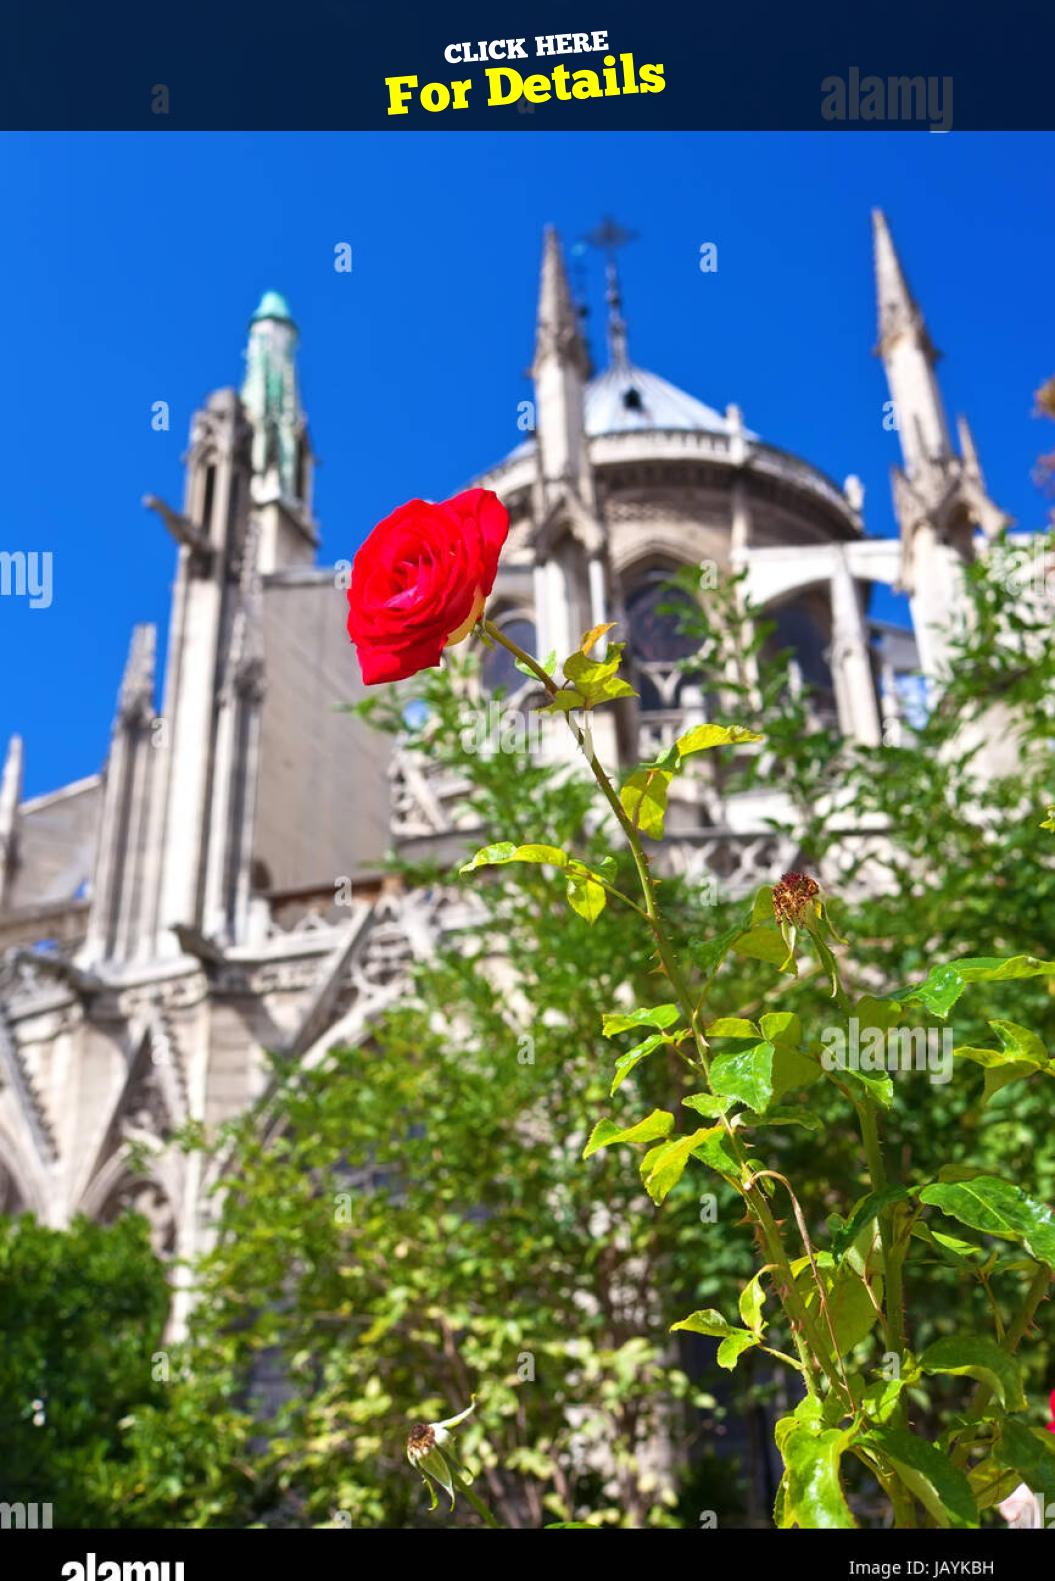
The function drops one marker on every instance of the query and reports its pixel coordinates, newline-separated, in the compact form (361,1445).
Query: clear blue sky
(131,263)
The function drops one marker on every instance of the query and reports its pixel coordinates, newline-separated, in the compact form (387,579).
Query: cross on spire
(608,237)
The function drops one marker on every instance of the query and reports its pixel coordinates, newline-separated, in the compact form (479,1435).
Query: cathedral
(218,890)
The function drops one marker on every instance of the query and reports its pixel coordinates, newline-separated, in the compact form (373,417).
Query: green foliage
(82,1313)
(843,1304)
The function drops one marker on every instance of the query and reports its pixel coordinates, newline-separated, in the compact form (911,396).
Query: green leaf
(596,680)
(607,691)
(663,1167)
(746,1074)
(941,1487)
(734,1340)
(711,1104)
(791,1068)
(706,1321)
(1021,1054)
(752,1300)
(1020,1042)
(644,800)
(549,664)
(978,1356)
(605,1132)
(990,969)
(732,1027)
(990,1483)
(586,896)
(950,1248)
(782,1026)
(710,953)
(845,1232)
(716,1150)
(659,1016)
(563,702)
(872,1085)
(702,737)
(583,672)
(626,1062)
(850,1307)
(880,1398)
(731,1349)
(827,960)
(777,1115)
(813,1495)
(943,985)
(999,1208)
(764,943)
(1031,1452)
(878,1013)
(505,851)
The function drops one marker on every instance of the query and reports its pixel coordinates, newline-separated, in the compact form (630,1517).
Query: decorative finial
(608,237)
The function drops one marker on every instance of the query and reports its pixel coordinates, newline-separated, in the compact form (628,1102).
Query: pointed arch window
(499,670)
(656,613)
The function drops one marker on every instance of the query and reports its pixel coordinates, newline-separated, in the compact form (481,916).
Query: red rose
(420,581)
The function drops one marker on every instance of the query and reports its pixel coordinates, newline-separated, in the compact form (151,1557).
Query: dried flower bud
(793,898)
(420,1440)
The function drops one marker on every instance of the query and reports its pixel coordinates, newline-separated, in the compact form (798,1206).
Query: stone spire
(939,496)
(10,796)
(560,370)
(569,571)
(909,357)
(271,396)
(557,332)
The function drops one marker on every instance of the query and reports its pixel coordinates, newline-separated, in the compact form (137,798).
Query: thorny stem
(1038,1289)
(895,1302)
(811,1353)
(822,1299)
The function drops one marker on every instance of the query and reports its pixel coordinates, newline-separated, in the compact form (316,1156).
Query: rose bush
(837,1292)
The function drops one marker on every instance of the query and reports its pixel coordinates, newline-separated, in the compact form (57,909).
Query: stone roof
(624,397)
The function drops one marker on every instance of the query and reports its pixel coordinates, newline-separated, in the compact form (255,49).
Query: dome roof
(623,398)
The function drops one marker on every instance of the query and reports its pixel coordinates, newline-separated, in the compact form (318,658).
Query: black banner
(574,65)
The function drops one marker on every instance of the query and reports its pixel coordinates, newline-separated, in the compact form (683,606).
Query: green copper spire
(270,392)
(272,305)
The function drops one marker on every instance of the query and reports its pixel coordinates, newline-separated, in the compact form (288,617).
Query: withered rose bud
(420,1441)
(425,1450)
(793,897)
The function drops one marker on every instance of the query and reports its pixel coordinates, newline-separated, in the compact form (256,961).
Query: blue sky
(131,263)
